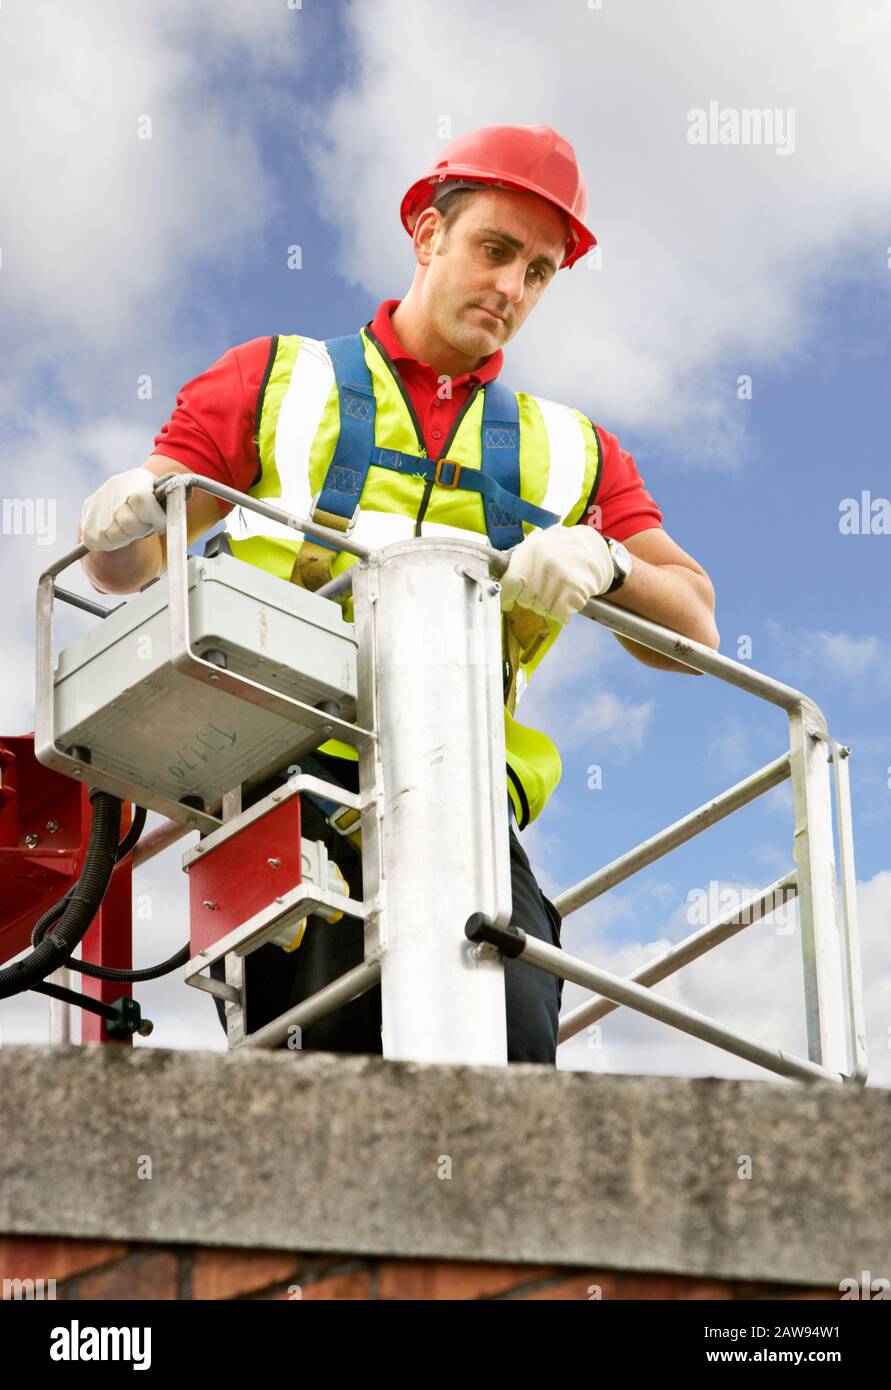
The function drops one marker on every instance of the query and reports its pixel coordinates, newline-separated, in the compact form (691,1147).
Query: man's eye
(499,249)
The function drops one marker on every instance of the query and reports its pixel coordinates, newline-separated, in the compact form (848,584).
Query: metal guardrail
(831,959)
(830,1001)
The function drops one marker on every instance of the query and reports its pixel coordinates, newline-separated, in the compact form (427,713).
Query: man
(435,443)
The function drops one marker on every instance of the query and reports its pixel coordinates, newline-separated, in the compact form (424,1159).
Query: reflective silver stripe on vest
(298,424)
(566,452)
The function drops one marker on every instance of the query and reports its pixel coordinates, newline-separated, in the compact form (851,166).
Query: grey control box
(118,693)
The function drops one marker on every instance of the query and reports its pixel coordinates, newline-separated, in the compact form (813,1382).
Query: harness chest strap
(497,482)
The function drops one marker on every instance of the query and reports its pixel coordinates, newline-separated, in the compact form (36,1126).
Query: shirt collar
(383,330)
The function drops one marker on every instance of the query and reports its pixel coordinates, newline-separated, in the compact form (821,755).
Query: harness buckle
(437,476)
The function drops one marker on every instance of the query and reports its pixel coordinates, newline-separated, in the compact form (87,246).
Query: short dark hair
(449,206)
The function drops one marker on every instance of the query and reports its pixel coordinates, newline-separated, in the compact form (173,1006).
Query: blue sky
(274,126)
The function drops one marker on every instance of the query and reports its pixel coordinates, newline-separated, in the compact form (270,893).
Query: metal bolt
(211,906)
(52,826)
(32,841)
(273,863)
(145,1027)
(494,587)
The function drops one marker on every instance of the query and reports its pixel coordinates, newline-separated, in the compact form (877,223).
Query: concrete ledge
(315,1151)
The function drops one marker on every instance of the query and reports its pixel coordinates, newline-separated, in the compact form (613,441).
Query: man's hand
(122,510)
(135,563)
(555,571)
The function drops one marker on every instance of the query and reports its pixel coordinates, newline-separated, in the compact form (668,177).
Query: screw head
(32,841)
(210,905)
(273,863)
(52,826)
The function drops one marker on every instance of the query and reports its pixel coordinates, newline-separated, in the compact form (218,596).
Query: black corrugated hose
(54,950)
(111,972)
(83,901)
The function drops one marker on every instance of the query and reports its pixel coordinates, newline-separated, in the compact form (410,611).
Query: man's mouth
(491,313)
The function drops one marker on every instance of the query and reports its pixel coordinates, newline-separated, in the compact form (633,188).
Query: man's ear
(426,242)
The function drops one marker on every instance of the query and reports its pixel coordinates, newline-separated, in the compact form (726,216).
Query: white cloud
(573,696)
(58,464)
(729,749)
(862,662)
(607,716)
(712,256)
(101,229)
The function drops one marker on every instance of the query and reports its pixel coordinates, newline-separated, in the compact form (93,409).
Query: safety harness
(497,481)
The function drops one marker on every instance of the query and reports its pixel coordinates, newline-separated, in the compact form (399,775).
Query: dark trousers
(276,980)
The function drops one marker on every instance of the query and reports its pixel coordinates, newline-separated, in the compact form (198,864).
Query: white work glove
(555,571)
(122,510)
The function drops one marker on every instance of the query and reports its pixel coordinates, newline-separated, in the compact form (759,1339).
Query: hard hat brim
(421,194)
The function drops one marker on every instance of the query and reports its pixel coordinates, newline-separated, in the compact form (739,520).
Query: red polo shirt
(212,431)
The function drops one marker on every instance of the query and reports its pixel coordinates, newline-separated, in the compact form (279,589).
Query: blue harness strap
(501,463)
(497,480)
(343,482)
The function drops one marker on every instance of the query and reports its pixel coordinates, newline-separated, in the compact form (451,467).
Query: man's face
(501,252)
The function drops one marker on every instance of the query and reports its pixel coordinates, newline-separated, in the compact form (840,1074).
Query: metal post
(428,617)
(109,941)
(824,999)
(856,1014)
(60,1030)
(235,1011)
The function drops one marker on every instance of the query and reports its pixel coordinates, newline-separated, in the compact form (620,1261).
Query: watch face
(621,561)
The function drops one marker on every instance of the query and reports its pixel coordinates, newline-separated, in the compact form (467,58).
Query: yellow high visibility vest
(299,423)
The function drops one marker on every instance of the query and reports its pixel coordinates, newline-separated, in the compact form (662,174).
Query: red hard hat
(530,158)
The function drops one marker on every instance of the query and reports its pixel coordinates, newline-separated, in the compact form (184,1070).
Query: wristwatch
(622,563)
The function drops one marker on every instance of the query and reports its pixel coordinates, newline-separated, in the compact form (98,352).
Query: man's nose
(511,282)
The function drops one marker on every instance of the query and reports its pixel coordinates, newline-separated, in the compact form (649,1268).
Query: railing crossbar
(731,922)
(622,991)
(664,841)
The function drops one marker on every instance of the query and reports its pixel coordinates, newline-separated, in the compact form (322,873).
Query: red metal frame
(244,874)
(33,877)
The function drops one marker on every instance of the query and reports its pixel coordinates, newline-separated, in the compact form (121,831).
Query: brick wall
(89,1269)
